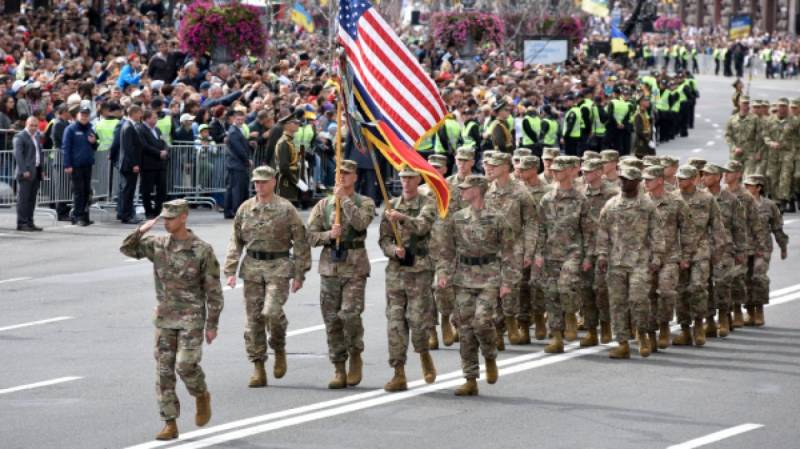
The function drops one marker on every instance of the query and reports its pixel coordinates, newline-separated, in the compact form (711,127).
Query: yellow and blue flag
(302,18)
(619,41)
(597,8)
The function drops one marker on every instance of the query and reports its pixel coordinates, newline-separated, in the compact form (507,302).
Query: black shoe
(36,228)
(64,218)
(28,228)
(134,221)
(85,223)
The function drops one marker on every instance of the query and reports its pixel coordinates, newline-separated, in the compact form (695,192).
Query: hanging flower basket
(568,27)
(451,28)
(231,29)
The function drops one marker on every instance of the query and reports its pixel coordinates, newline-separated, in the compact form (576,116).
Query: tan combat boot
(169,432)
(433,339)
(605,332)
(556,345)
(653,340)
(428,369)
(356,367)
(203,412)
(491,371)
(448,337)
(644,344)
(699,333)
(751,316)
(738,319)
(279,370)
(540,330)
(590,339)
(470,388)
(513,330)
(339,380)
(663,336)
(570,327)
(501,344)
(524,332)
(684,338)
(759,321)
(259,377)
(622,351)
(724,325)
(398,382)
(711,327)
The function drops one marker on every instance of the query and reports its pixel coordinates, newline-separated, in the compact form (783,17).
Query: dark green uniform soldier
(288,161)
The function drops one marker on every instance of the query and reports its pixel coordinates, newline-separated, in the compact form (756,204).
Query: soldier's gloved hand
(526,263)
(602,264)
(684,265)
(231,281)
(336,231)
(504,291)
(442,282)
(399,252)
(297,284)
(148,225)
(586,266)
(211,335)
(538,263)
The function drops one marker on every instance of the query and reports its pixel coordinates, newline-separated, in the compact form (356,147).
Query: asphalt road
(77,368)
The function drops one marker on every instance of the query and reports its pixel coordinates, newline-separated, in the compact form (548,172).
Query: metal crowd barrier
(196,172)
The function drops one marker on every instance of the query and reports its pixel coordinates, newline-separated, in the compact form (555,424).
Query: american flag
(387,77)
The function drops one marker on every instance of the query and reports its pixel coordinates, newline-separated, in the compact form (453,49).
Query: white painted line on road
(228,287)
(135,260)
(717,436)
(360,401)
(697,150)
(707,120)
(305,330)
(789,222)
(5,281)
(710,143)
(379,260)
(36,323)
(45,383)
(715,125)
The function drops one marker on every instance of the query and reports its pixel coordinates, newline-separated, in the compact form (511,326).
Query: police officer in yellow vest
(498,134)
(288,160)
(105,127)
(571,130)
(664,118)
(471,133)
(549,131)
(447,139)
(619,122)
(531,131)
(164,122)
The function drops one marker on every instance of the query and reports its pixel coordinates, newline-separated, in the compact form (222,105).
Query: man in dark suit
(238,163)
(130,163)
(154,164)
(28,156)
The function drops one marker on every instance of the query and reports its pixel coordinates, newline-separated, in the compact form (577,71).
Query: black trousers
(128,192)
(26,197)
(153,179)
(572,146)
(81,189)
(237,184)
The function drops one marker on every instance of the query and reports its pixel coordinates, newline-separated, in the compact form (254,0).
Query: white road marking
(5,281)
(228,287)
(360,401)
(697,150)
(717,436)
(789,222)
(305,330)
(707,120)
(36,323)
(379,260)
(710,143)
(39,384)
(715,125)
(135,260)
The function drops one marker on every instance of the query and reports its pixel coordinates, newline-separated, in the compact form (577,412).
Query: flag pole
(382,186)
(338,217)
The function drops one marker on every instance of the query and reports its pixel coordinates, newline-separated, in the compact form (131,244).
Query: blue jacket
(78,152)
(128,77)
(238,155)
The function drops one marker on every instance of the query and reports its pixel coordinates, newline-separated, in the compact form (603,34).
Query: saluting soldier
(409,276)
(270,233)
(478,259)
(343,268)
(189,295)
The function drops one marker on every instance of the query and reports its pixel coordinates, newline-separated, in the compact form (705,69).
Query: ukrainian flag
(302,18)
(619,41)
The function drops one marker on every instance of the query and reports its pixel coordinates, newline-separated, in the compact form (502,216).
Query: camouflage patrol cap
(475,181)
(744,99)
(631,161)
(561,163)
(653,172)
(263,173)
(713,169)
(687,172)
(573,161)
(488,155)
(697,162)
(408,172)
(348,166)
(589,154)
(437,160)
(499,158)
(591,165)
(465,154)
(550,153)
(609,156)
(651,159)
(528,162)
(174,208)
(783,101)
(520,152)
(630,173)
(668,161)
(795,103)
(755,180)
(734,167)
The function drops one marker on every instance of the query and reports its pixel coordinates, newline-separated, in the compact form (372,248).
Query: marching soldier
(409,276)
(563,252)
(190,301)
(670,164)
(478,259)
(343,268)
(548,156)
(782,132)
(266,228)
(438,162)
(741,134)
(630,249)
(610,159)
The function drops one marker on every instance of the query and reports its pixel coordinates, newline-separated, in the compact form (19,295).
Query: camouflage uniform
(266,232)
(760,147)
(742,132)
(189,296)
(772,221)
(342,283)
(780,171)
(478,256)
(630,238)
(408,288)
(565,237)
(531,295)
(594,291)
(445,297)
